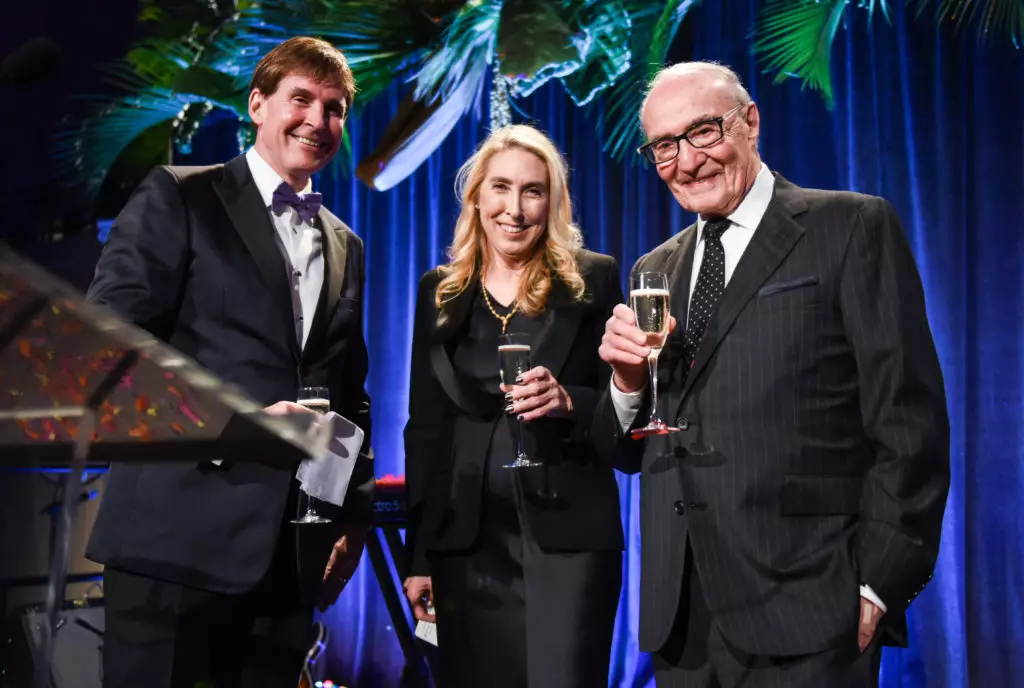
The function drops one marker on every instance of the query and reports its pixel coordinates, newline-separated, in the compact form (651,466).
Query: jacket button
(683,423)
(679,508)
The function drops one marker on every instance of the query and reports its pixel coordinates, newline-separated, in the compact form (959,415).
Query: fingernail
(519,418)
(519,379)
(510,408)
(508,396)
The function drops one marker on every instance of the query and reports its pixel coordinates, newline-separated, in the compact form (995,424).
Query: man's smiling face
(299,126)
(711,181)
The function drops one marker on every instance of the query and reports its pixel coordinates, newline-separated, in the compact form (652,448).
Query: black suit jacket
(192,258)
(444,494)
(813,454)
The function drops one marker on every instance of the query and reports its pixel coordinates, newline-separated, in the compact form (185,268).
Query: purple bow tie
(306,205)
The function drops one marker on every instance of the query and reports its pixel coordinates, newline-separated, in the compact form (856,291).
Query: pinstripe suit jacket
(813,454)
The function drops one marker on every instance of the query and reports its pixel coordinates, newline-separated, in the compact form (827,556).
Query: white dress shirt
(301,244)
(745,220)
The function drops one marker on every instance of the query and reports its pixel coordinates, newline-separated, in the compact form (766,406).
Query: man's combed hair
(683,68)
(310,57)
(555,252)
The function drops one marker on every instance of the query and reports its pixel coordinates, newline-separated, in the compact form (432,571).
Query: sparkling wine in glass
(318,400)
(649,299)
(514,360)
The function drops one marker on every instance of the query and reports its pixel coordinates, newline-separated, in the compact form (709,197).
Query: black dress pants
(697,655)
(167,635)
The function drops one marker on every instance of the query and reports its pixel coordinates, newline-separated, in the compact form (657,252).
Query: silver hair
(730,77)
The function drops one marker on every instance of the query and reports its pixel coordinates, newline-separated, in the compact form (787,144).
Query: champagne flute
(318,400)
(514,360)
(648,297)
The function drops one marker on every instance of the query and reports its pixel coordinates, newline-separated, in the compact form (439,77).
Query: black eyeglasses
(700,135)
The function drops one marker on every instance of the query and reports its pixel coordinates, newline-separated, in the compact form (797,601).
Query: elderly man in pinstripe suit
(794,510)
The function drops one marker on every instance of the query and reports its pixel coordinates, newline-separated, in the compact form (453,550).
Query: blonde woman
(522,566)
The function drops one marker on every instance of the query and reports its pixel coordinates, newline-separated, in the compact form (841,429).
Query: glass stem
(652,367)
(519,439)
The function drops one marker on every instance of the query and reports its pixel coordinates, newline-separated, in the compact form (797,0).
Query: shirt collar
(753,207)
(267,180)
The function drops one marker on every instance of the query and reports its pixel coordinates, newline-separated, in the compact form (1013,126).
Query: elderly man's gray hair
(730,77)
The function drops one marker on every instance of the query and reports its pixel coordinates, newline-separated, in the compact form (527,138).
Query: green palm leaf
(213,86)
(654,29)
(794,38)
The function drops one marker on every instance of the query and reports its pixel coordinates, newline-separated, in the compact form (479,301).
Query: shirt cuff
(626,404)
(867,593)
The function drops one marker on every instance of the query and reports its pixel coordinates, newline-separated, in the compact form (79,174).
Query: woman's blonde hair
(555,250)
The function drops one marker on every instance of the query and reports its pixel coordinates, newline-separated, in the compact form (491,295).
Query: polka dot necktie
(709,287)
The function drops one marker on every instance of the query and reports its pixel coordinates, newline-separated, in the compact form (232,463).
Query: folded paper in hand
(427,631)
(326,477)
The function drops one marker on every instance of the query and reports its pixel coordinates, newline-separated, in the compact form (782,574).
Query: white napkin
(427,631)
(326,477)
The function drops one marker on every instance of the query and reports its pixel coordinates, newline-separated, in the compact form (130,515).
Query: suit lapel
(772,242)
(244,205)
(678,267)
(335,250)
(456,312)
(561,322)
(679,271)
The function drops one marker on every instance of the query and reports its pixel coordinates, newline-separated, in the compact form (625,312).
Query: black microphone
(34,60)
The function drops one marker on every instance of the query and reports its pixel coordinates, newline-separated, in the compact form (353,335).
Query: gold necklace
(504,320)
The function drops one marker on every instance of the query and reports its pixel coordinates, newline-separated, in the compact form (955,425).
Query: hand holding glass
(318,400)
(514,360)
(648,297)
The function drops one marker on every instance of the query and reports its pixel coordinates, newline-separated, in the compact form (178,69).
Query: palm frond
(467,41)
(538,40)
(214,86)
(84,153)
(993,17)
(418,129)
(447,84)
(382,39)
(653,30)
(794,38)
(606,28)
(161,60)
(162,81)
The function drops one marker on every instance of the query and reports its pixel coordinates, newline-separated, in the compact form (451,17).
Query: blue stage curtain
(926,118)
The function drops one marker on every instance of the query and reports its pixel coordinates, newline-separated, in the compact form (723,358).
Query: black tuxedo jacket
(813,454)
(192,258)
(444,493)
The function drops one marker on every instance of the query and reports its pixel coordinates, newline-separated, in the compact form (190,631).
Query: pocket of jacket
(780,287)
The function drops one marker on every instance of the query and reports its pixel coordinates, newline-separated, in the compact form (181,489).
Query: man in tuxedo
(207,581)
(796,511)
